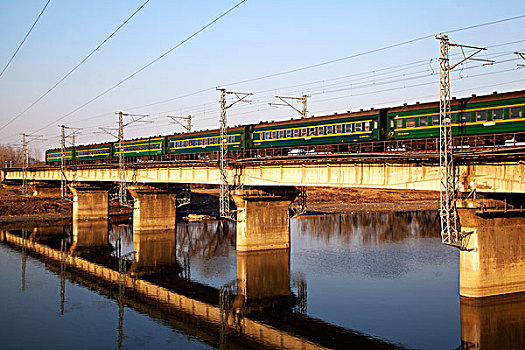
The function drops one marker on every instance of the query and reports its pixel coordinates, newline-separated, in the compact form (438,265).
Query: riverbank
(16,207)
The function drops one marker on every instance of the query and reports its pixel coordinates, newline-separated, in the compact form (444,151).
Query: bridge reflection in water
(263,290)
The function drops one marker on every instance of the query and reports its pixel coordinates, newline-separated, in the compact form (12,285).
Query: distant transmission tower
(26,140)
(121,160)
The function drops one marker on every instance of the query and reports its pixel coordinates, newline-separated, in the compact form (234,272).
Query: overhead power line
(23,40)
(146,66)
(333,61)
(75,68)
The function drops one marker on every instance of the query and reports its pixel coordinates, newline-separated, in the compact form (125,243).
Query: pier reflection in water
(385,275)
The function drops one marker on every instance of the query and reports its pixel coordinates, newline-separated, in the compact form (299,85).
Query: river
(367,280)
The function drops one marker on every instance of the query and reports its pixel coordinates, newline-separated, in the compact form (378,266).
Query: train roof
(348,114)
(495,96)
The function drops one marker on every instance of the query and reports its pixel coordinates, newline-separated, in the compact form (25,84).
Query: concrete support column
(89,202)
(263,220)
(494,262)
(43,189)
(154,207)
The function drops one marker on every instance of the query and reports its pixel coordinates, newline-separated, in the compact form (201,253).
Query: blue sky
(256,39)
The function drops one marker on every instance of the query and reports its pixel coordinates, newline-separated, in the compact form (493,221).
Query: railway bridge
(492,183)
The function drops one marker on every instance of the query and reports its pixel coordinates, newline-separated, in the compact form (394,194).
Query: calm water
(366,280)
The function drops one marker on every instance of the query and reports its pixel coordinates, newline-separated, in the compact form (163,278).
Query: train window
(481,116)
(261,136)
(311,131)
(375,124)
(515,112)
(497,114)
(295,132)
(358,127)
(199,142)
(399,123)
(274,134)
(339,129)
(411,122)
(367,126)
(320,130)
(304,131)
(281,134)
(392,123)
(348,127)
(205,142)
(423,121)
(465,117)
(435,120)
(267,135)
(288,133)
(329,129)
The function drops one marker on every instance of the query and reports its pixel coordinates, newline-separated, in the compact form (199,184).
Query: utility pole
(284,99)
(26,139)
(301,209)
(450,232)
(522,55)
(25,162)
(63,138)
(121,160)
(224,199)
(177,120)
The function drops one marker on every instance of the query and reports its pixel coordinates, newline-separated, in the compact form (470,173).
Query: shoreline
(320,201)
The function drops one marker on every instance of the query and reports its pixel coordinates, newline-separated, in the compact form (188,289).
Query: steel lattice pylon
(224,200)
(448,213)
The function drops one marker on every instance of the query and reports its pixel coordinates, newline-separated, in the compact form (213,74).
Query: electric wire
(23,40)
(74,68)
(143,67)
(307,67)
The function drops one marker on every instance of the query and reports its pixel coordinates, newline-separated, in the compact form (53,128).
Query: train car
(333,129)
(207,141)
(144,149)
(476,115)
(95,152)
(55,155)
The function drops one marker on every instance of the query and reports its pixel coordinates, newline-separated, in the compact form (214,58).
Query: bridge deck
(487,171)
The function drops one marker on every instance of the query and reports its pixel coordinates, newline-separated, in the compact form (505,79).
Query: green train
(490,119)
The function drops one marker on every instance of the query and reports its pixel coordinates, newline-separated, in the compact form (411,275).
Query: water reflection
(154,252)
(369,228)
(263,281)
(89,235)
(267,286)
(493,322)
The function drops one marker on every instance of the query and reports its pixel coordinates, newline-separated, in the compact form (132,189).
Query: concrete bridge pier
(494,259)
(44,189)
(89,202)
(154,207)
(263,219)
